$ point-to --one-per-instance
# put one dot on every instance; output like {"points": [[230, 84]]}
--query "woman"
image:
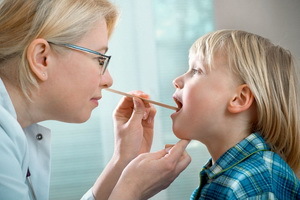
{"points": [[53, 67]]}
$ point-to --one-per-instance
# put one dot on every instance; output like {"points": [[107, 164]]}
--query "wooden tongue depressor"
{"points": [[147, 100]]}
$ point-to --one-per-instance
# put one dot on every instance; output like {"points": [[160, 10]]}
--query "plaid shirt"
{"points": [[248, 170]]}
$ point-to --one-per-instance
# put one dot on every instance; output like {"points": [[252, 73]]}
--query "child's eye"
{"points": [[195, 71]]}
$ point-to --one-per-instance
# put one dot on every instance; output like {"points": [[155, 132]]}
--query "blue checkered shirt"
{"points": [[248, 170]]}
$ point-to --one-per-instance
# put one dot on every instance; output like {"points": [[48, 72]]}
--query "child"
{"points": [[239, 98]]}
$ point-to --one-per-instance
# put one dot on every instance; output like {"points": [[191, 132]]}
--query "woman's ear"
{"points": [[37, 56], [242, 99]]}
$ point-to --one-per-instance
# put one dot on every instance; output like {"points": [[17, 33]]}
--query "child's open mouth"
{"points": [[178, 102]]}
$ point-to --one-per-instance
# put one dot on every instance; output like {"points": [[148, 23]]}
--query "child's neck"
{"points": [[218, 147]]}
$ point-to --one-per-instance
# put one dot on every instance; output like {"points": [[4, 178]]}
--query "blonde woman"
{"points": [[53, 66], [241, 92]]}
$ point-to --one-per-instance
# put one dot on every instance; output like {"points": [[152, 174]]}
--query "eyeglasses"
{"points": [[103, 59]]}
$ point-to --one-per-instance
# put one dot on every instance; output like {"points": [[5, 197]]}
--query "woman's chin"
{"points": [[78, 120]]}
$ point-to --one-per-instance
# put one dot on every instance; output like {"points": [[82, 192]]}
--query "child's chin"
{"points": [[181, 136], [179, 132]]}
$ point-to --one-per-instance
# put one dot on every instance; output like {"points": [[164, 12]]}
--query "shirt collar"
{"points": [[250, 145], [5, 100], [6, 103]]}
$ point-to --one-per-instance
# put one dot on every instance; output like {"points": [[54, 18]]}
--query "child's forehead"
{"points": [[195, 60], [207, 60], [193, 56]]}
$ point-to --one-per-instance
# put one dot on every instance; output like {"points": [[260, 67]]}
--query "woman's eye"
{"points": [[101, 60]]}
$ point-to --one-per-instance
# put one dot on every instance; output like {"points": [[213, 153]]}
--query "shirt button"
{"points": [[39, 136]]}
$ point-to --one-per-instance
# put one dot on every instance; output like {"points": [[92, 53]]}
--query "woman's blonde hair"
{"points": [[270, 73], [59, 21]]}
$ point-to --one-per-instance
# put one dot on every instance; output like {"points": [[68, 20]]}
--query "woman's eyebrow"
{"points": [[103, 49]]}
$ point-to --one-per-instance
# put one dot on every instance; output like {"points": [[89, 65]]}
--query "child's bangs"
{"points": [[207, 47]]}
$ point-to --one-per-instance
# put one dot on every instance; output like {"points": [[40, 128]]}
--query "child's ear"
{"points": [[37, 54], [242, 99]]}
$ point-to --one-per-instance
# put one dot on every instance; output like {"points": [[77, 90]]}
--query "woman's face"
{"points": [[75, 82]]}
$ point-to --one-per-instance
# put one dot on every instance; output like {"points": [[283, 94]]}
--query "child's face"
{"points": [[202, 96]]}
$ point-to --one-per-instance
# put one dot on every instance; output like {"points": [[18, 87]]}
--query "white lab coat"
{"points": [[20, 150]]}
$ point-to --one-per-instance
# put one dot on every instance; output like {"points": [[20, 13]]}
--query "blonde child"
{"points": [[239, 97]]}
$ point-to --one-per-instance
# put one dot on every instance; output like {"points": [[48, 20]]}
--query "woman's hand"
{"points": [[150, 173], [134, 122]]}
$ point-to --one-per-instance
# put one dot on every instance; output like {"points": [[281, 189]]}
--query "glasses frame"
{"points": [[86, 50]]}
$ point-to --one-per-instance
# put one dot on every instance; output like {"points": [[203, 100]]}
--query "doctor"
{"points": [[53, 66]]}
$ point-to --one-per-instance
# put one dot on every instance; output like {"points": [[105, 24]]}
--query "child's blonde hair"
{"points": [[270, 73], [59, 21]]}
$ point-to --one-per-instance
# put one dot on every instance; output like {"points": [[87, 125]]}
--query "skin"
{"points": [[216, 108], [70, 86], [73, 87], [159, 169], [132, 172]]}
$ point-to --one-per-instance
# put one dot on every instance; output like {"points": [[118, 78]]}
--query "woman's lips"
{"points": [[95, 100]]}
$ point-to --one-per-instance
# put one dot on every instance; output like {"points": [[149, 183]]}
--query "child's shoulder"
{"points": [[262, 172], [263, 163], [252, 158], [251, 169]]}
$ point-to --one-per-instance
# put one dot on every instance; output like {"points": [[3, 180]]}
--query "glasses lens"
{"points": [[103, 62]]}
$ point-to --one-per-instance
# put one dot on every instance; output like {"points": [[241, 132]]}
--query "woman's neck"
{"points": [[20, 102]]}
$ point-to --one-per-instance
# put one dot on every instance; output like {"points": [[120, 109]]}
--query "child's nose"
{"points": [[177, 82]]}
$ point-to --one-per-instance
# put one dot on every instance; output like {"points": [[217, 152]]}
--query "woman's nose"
{"points": [[106, 79]]}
